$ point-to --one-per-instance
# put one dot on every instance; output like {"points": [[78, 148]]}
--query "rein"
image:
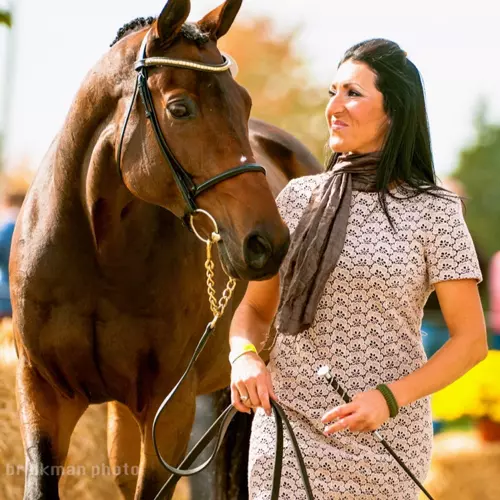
{"points": [[219, 428]]}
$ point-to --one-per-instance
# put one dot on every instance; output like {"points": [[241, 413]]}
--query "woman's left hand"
{"points": [[366, 412]]}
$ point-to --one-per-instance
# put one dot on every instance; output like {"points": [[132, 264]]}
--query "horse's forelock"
{"points": [[190, 31], [193, 32]]}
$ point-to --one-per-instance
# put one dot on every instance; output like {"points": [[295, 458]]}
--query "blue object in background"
{"points": [[6, 231], [494, 342], [434, 335]]}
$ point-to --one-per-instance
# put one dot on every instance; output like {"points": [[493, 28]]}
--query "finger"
{"points": [[339, 412], [347, 423], [263, 393], [248, 390], [236, 401], [242, 391], [254, 400], [370, 427], [271, 388]]}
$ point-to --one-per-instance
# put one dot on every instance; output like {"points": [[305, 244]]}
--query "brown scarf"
{"points": [[318, 240]]}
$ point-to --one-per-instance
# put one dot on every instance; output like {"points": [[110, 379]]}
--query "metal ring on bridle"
{"points": [[215, 235]]}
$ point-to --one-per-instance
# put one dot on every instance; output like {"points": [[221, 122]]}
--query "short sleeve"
{"points": [[450, 251], [294, 198], [283, 200]]}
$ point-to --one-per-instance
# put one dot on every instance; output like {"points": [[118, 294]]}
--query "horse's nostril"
{"points": [[257, 251]]}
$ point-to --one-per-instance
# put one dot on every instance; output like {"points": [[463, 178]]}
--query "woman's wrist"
{"points": [[241, 350], [400, 393], [238, 342]]}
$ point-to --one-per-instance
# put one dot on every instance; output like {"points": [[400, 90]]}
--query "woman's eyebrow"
{"points": [[347, 84]]}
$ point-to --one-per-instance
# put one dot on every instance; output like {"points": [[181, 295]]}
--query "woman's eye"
{"points": [[354, 93], [331, 93], [178, 110]]}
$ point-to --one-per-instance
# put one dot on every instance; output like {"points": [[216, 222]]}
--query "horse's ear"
{"points": [[171, 19], [221, 18]]}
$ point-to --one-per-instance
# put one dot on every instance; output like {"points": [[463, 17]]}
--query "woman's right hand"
{"points": [[251, 379]]}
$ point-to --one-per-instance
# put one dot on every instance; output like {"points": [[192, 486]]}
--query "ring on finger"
{"points": [[243, 398]]}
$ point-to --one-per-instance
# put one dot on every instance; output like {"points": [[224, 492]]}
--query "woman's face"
{"points": [[355, 113]]}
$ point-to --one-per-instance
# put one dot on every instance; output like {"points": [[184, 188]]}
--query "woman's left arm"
{"points": [[461, 307], [462, 311]]}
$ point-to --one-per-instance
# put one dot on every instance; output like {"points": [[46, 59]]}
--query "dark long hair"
{"points": [[406, 154]]}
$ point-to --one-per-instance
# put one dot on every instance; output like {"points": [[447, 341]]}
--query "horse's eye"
{"points": [[178, 110]]}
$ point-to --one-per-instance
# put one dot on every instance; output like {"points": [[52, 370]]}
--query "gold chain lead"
{"points": [[217, 308]]}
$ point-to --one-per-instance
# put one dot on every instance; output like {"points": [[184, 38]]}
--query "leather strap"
{"points": [[218, 431]]}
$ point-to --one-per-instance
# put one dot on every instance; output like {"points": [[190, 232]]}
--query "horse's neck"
{"points": [[84, 167]]}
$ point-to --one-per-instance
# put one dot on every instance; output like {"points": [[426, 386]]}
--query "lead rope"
{"points": [[219, 428]]}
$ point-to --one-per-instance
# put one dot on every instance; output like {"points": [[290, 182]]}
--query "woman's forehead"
{"points": [[351, 72]]}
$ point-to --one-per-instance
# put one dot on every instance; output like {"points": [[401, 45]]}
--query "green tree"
{"points": [[5, 20], [5, 17], [479, 171]]}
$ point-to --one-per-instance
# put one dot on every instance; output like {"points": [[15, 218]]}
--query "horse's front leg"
{"points": [[47, 421], [172, 436], [124, 448]]}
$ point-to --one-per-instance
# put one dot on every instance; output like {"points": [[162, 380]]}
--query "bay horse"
{"points": [[107, 283]]}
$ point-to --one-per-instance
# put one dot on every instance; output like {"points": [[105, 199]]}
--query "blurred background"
{"points": [[287, 54]]}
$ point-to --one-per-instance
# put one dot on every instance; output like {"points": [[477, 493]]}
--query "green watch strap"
{"points": [[390, 399]]}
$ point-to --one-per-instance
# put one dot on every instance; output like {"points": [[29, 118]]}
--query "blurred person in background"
{"points": [[8, 214], [494, 296], [371, 239]]}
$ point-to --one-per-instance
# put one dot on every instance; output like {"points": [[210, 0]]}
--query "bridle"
{"points": [[189, 190]]}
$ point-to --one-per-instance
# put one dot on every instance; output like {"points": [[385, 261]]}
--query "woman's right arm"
{"points": [[250, 325]]}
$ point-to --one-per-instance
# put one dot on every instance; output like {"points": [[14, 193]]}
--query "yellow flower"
{"points": [[476, 394]]}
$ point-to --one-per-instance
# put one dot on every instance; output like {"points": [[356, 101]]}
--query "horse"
{"points": [[107, 283]]}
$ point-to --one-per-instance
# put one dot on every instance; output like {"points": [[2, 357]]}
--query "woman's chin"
{"points": [[337, 146]]}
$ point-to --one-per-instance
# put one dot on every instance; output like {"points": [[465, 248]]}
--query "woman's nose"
{"points": [[335, 107]]}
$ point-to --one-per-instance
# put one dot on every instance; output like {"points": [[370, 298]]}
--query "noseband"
{"points": [[189, 190]]}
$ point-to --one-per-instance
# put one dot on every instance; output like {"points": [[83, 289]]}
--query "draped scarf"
{"points": [[318, 240]]}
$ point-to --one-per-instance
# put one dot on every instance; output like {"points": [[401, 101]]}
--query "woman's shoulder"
{"points": [[428, 197], [299, 190], [307, 182]]}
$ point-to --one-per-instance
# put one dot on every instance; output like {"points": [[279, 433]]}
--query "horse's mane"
{"points": [[191, 31]]}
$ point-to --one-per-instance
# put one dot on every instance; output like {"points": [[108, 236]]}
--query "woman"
{"points": [[370, 240]]}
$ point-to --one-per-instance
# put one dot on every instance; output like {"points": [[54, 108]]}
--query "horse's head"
{"points": [[202, 113]]}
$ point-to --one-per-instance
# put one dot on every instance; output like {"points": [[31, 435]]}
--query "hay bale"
{"points": [[464, 467], [88, 476]]}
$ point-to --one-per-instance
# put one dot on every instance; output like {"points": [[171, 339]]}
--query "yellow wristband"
{"points": [[233, 356]]}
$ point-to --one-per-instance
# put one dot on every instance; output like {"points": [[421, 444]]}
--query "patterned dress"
{"points": [[367, 329]]}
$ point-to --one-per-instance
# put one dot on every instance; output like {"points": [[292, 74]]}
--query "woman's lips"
{"points": [[339, 125]]}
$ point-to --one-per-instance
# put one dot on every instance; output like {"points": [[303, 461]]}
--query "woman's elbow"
{"points": [[480, 349]]}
